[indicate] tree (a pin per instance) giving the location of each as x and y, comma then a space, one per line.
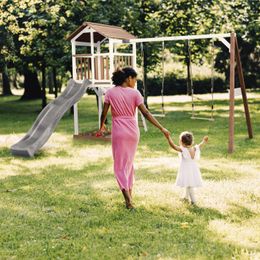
4, 39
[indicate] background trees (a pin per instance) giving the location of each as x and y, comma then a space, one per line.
33, 34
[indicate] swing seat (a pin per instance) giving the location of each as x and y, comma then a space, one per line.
203, 118
158, 115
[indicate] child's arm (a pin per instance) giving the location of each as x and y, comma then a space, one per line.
203, 142
174, 146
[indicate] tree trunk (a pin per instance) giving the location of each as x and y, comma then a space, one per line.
44, 101
54, 73
14, 81
6, 82
49, 81
32, 88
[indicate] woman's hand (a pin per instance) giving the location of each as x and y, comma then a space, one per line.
101, 131
166, 132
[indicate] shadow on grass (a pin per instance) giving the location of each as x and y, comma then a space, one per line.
221, 174
169, 175
58, 212
239, 213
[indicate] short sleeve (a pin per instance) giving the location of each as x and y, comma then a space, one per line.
184, 152
138, 99
107, 98
197, 152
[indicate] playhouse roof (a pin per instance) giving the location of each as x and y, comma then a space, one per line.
101, 31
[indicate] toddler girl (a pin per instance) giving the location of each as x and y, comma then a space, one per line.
189, 175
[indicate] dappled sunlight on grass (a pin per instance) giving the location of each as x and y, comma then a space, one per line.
244, 234
66, 198
58, 151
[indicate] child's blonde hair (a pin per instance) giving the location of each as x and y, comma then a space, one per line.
186, 138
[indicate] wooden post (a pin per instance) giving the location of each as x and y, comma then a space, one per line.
89, 67
231, 93
96, 67
111, 59
75, 77
81, 68
102, 67
85, 68
243, 90
98, 61
107, 67
115, 62
93, 74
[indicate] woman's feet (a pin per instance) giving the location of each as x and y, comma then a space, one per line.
129, 206
128, 199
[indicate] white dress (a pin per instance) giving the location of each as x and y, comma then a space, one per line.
189, 173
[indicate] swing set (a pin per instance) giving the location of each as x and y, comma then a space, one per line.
102, 56
235, 61
189, 81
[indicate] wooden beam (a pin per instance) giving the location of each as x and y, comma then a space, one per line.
85, 68
231, 94
243, 90
225, 42
178, 38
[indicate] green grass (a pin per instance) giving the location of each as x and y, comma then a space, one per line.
65, 204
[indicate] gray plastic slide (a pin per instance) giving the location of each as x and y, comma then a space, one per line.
48, 119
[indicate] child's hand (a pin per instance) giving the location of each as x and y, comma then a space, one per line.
166, 133
205, 139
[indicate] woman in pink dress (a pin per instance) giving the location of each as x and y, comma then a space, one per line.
124, 99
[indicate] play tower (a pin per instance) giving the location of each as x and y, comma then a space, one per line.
97, 50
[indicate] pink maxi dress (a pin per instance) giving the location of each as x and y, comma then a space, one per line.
125, 132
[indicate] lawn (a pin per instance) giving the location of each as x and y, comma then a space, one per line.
65, 204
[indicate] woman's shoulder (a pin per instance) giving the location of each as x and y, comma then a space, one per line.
110, 90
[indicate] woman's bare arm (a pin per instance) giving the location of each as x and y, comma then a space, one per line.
104, 116
151, 119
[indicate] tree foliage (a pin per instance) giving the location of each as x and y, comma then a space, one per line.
33, 32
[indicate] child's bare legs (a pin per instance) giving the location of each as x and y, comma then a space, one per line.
192, 195
189, 193
128, 199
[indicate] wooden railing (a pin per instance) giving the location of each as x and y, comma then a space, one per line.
101, 63
122, 61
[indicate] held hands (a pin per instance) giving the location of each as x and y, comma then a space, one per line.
166, 133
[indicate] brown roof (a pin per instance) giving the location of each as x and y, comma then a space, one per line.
102, 31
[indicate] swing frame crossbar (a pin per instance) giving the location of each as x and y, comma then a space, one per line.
185, 37
235, 65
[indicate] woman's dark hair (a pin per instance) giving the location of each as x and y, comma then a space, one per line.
120, 75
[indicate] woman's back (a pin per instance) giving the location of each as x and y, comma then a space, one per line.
123, 101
